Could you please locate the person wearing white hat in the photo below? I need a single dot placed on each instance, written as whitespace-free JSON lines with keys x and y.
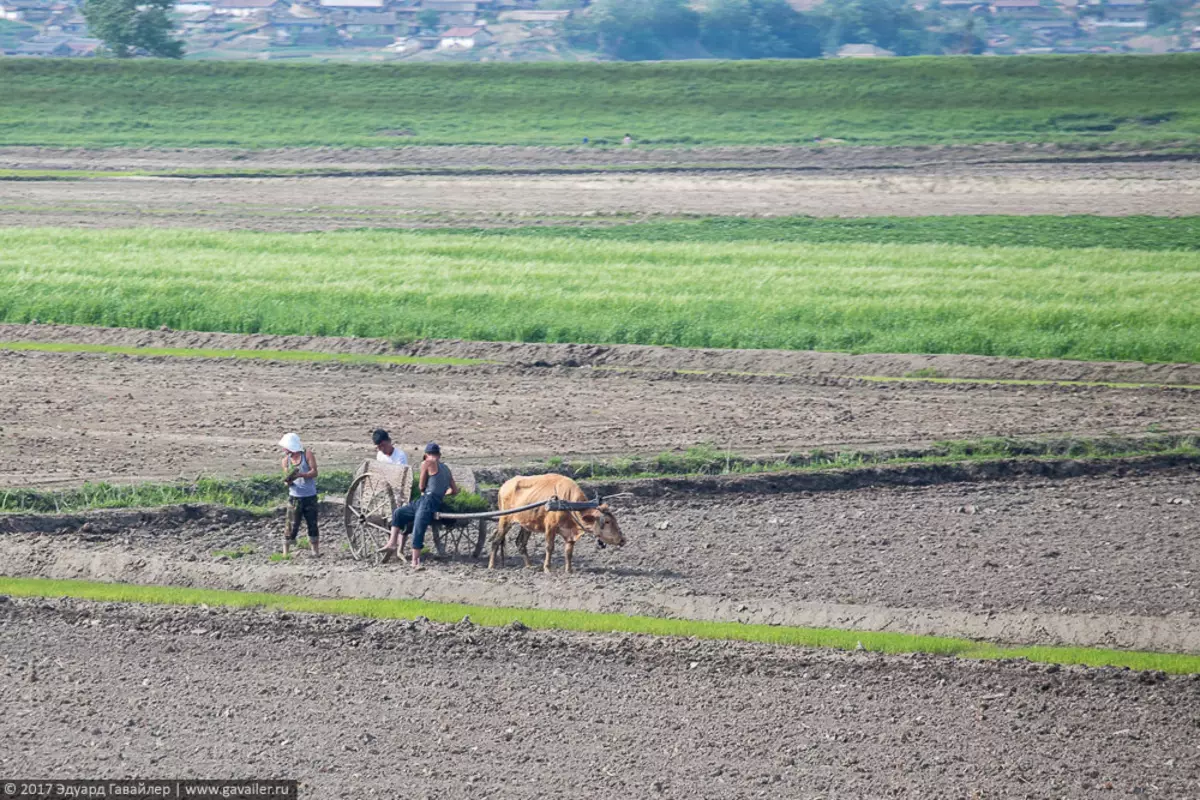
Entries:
{"x":300,"y":475}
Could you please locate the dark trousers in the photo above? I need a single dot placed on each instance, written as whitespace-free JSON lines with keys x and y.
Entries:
{"x":416,"y":517}
{"x":302,"y":508}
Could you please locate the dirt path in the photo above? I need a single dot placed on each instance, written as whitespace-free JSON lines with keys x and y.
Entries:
{"x":324,"y":203}
{"x":1107,"y":560}
{"x":106,"y":691}
{"x":67,"y":418}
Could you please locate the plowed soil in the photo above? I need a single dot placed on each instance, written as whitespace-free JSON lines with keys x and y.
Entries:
{"x":355,"y":708}
{"x":749,"y":181}
{"x":1109,"y":559}
{"x":67,"y":418}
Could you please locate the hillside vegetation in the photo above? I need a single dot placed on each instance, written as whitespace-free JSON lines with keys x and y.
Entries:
{"x":1081,"y":303}
{"x":927,"y":100}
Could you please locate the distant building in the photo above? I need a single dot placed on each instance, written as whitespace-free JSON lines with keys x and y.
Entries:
{"x":71,"y":24}
{"x":464,"y":38}
{"x":354,"y":5}
{"x":83,"y":48}
{"x":289,"y":29}
{"x":25,"y":11}
{"x":539,"y":15}
{"x":1016,"y":8}
{"x":248,"y":8}
{"x":461,"y":13}
{"x":862,"y":51}
{"x":385,"y":22}
{"x":451,"y":6}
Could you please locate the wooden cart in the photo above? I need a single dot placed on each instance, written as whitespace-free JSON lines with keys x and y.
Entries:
{"x":379,"y":488}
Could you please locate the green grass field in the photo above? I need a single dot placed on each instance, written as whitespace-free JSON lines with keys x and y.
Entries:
{"x":585,"y":621}
{"x":930,"y":100}
{"x":1058,"y":233}
{"x":1076,"y":303}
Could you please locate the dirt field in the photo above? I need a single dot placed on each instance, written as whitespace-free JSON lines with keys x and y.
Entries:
{"x":128,"y":418}
{"x":758,"y":181}
{"x":1082,"y":554}
{"x":359,"y":709}
{"x":1107,"y":559}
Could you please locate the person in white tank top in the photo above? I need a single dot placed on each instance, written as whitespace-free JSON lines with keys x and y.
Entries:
{"x":385,"y":451}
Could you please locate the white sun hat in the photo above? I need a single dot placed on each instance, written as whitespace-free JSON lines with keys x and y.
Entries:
{"x":291,"y":443}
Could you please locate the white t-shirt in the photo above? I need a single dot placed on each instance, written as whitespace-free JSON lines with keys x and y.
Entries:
{"x":397,"y":456}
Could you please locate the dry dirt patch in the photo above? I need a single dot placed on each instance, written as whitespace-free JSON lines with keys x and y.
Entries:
{"x":326,"y":203}
{"x":1104,"y":560}
{"x":106,"y":691}
{"x":126,"y":418}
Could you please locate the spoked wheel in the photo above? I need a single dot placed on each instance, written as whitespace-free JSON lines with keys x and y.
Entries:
{"x":454,"y":540}
{"x":368,"y":515}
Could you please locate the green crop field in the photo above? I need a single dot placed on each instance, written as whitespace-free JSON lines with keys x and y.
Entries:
{"x":1080,"y":303}
{"x":1059,"y":233}
{"x":69,"y":103}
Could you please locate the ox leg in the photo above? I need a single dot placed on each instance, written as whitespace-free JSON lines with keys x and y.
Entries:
{"x":568,"y":550}
{"x":523,"y":544}
{"x":498,"y":542}
{"x":549,"y":549}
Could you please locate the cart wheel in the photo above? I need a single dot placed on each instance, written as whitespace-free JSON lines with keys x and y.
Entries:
{"x":439,"y":532}
{"x":369,"y":503}
{"x":454,"y":539}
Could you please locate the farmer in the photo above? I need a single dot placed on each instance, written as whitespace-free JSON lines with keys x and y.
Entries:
{"x":384,"y":449}
{"x":435,"y":483}
{"x":300,"y":475}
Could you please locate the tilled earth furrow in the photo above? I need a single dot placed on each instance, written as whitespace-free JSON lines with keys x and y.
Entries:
{"x":353,"y":708}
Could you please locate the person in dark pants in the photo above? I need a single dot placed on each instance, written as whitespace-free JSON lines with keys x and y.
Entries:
{"x":300,"y":475}
{"x":435,"y":483}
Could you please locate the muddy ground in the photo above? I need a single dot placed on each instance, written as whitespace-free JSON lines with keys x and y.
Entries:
{"x":329,"y":203}
{"x":67,"y":418}
{"x":355,"y":708}
{"x":1108,"y":559}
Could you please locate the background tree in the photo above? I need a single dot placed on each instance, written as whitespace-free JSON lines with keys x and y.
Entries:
{"x":429,"y":19}
{"x":758,"y":29}
{"x":130,"y":27}
{"x":640,"y":30}
{"x":1165,"y":12}
{"x":890,"y":24}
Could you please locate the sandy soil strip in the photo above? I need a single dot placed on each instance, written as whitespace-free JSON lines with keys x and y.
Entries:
{"x":128,"y":418}
{"x":809,"y":157}
{"x":355,"y":708}
{"x":324,"y":203}
{"x":761,"y":362}
{"x":125,"y":418}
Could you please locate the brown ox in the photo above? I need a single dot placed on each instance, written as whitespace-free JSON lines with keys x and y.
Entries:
{"x":570,"y":525}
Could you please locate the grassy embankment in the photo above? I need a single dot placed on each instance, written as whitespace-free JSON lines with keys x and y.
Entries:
{"x":259,"y":493}
{"x":1089,"y":99}
{"x":583,"y":621}
{"x":263,"y":493}
{"x":1077,"y":303}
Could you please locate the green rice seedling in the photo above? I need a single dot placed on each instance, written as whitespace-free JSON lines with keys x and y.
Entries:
{"x":1097,"y":303}
{"x":585,"y":621}
{"x":239,"y":552}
